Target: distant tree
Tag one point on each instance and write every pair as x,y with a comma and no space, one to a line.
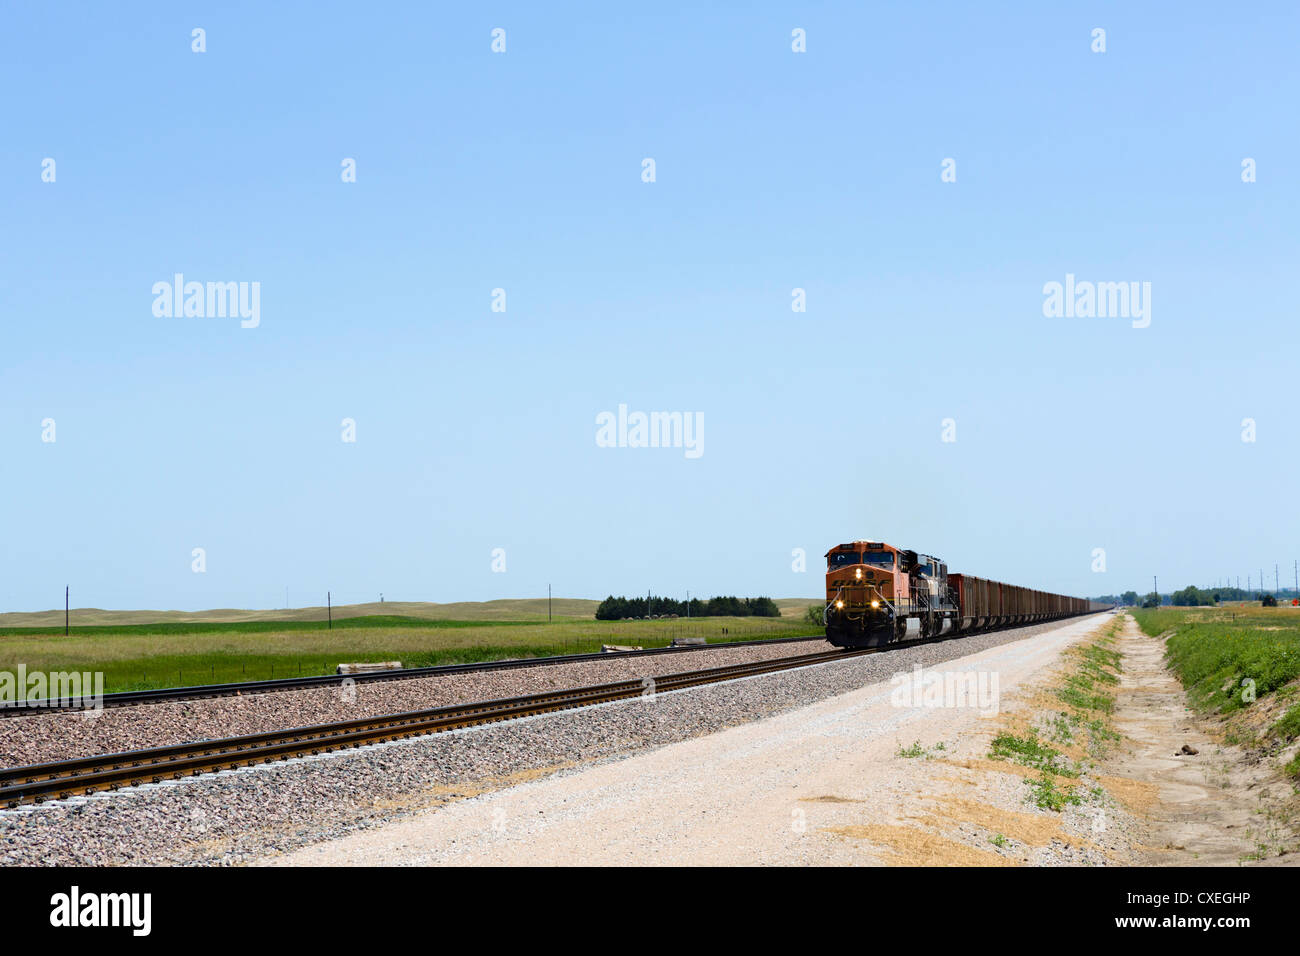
1151,600
611,609
1268,601
621,608
816,614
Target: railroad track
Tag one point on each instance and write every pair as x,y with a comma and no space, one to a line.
39,782
206,691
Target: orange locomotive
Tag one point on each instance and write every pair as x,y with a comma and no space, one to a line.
877,594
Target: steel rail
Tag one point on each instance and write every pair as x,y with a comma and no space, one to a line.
61,779
240,688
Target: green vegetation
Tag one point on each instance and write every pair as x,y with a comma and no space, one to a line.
1060,728
998,840
1101,663
1193,596
1046,795
622,609
1229,657
1099,735
1029,751
251,627
1085,688
1078,695
1292,767
1127,599
171,654
1288,728
916,750
1087,691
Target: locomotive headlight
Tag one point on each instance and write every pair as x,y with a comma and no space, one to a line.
859,572
839,604
875,604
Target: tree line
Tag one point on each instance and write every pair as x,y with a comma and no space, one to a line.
619,608
1192,596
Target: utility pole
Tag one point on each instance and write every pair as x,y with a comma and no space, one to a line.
548,604
1275,579
66,589
688,605
1155,586
648,605
329,608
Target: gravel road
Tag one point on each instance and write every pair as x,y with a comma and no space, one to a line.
244,815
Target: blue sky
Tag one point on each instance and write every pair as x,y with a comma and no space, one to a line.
775,170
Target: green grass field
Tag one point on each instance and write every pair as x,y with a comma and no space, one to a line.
136,656
1213,650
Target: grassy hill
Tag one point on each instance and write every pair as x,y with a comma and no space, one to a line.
520,609
795,607
528,609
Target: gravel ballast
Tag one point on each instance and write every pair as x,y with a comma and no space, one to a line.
235,816
40,738
861,778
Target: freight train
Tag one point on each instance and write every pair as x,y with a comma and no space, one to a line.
877,594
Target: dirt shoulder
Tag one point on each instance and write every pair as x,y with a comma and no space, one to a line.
1221,805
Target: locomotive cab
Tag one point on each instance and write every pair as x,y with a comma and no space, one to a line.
878,594
863,582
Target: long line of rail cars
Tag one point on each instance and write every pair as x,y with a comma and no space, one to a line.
878,594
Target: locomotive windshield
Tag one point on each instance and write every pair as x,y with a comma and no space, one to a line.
877,559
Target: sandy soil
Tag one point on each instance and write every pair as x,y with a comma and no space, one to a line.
827,784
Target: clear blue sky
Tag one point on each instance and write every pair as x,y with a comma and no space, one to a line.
775,170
